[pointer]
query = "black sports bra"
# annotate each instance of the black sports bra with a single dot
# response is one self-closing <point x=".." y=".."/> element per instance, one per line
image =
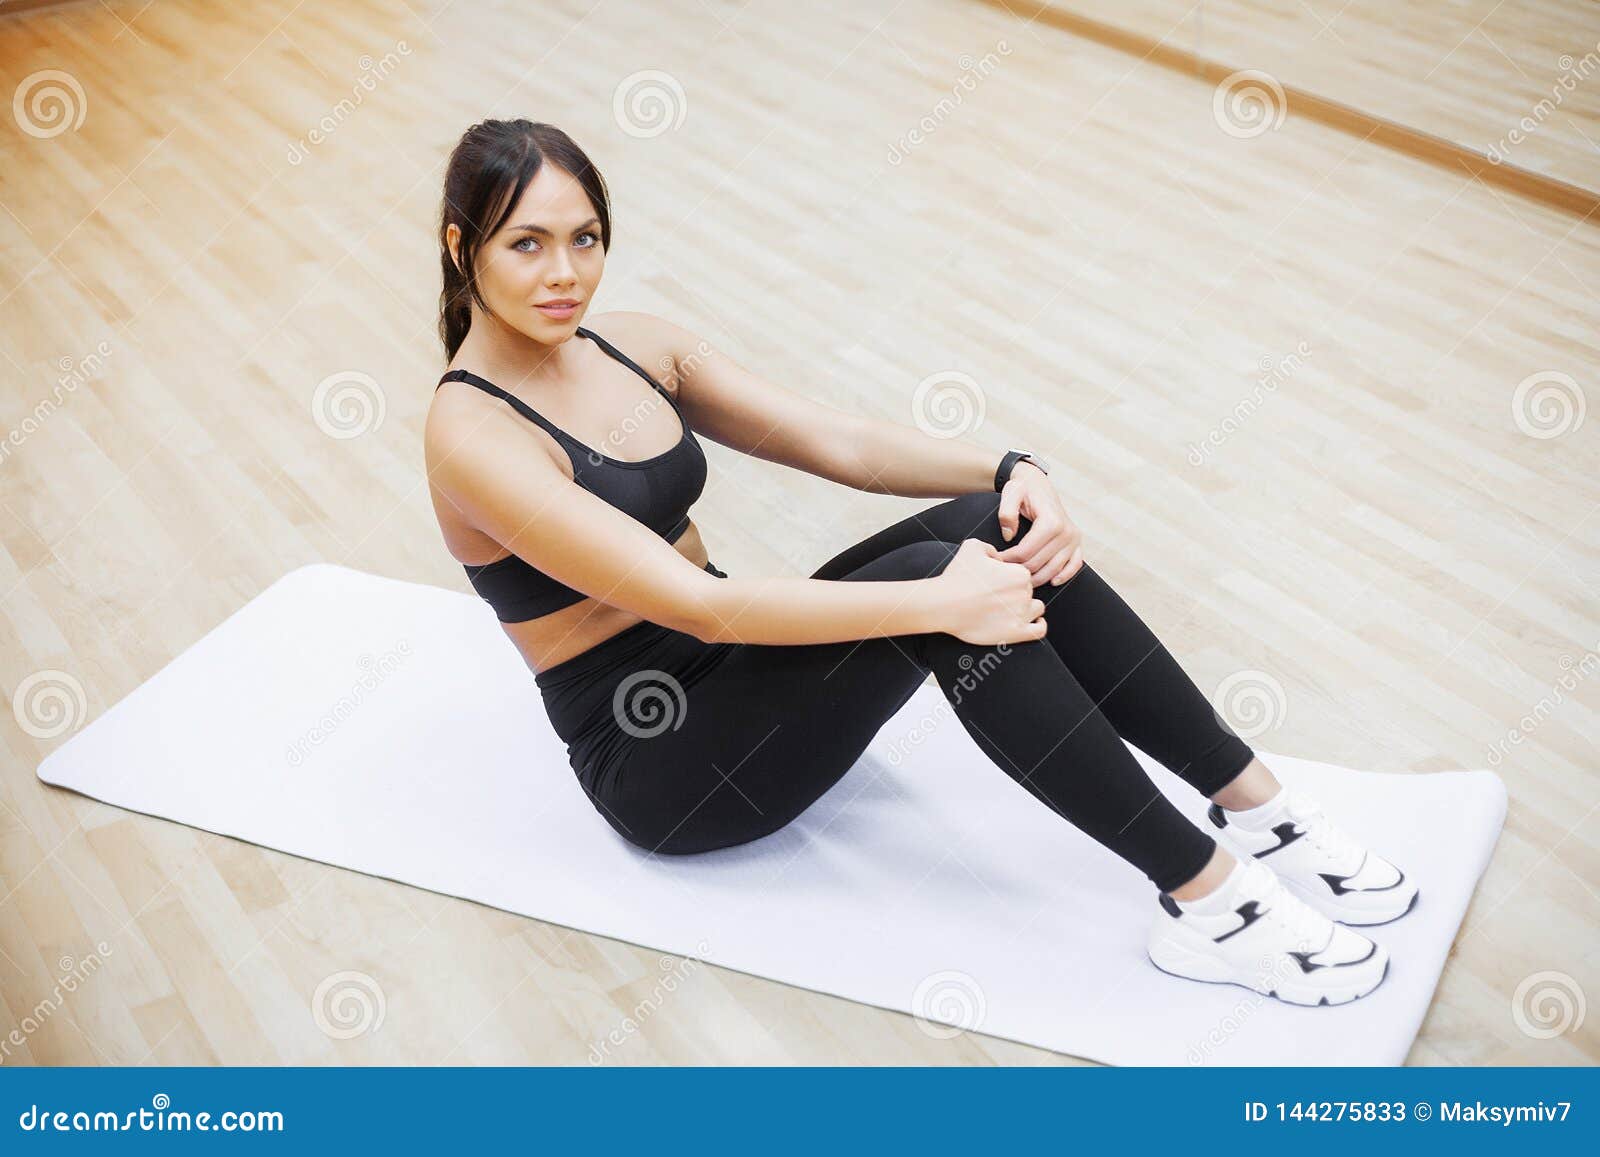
<point x="657" y="491"/>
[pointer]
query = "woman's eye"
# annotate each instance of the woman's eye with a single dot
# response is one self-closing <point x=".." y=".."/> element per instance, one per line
<point x="595" y="240"/>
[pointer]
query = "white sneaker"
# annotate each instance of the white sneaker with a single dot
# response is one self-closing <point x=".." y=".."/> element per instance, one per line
<point x="1316" y="859"/>
<point x="1256" y="933"/>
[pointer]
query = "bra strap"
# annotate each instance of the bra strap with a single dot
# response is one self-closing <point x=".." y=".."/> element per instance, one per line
<point x="515" y="402"/>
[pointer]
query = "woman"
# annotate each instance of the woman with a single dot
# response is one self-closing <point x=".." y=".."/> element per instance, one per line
<point x="702" y="710"/>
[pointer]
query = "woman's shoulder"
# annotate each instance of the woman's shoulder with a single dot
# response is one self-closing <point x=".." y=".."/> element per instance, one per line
<point x="630" y="329"/>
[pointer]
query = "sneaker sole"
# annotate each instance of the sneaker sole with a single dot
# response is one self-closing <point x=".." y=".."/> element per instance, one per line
<point x="1175" y="959"/>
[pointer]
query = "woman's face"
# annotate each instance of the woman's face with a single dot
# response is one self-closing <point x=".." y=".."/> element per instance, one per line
<point x="548" y="252"/>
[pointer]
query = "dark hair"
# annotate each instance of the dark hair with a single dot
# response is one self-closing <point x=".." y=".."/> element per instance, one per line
<point x="491" y="165"/>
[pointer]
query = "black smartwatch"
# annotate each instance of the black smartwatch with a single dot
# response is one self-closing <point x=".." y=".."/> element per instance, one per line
<point x="1002" y="473"/>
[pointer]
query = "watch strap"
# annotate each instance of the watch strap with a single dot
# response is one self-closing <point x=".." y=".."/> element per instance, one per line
<point x="1002" y="473"/>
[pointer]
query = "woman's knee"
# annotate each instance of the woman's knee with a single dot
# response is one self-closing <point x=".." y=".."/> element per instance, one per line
<point x="977" y="515"/>
<point x="914" y="560"/>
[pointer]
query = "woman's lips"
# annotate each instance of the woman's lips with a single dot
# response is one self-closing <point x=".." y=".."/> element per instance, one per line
<point x="558" y="310"/>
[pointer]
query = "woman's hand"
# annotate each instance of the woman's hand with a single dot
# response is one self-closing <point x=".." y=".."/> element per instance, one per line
<point x="986" y="601"/>
<point x="1052" y="550"/>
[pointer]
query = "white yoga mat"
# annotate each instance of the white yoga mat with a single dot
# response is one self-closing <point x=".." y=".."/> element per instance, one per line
<point x="389" y="727"/>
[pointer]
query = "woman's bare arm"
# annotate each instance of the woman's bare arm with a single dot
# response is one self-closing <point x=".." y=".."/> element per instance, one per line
<point x="505" y="486"/>
<point x="744" y="411"/>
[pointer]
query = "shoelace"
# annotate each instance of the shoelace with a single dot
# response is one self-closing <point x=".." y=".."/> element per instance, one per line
<point x="1308" y="927"/>
<point x="1328" y="835"/>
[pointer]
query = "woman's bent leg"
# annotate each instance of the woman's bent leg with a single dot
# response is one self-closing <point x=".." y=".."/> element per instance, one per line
<point x="769" y="729"/>
<point x="1129" y="675"/>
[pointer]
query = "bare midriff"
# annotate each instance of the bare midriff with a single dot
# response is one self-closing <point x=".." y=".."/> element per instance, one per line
<point x="561" y="635"/>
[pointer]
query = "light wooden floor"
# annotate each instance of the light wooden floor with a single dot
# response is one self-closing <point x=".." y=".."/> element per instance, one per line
<point x="1414" y="564"/>
<point x="1468" y="71"/>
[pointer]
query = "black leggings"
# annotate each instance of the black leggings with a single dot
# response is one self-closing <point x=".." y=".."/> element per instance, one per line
<point x="687" y="746"/>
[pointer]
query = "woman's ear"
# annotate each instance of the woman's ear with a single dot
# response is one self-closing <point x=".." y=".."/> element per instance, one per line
<point x="452" y="236"/>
